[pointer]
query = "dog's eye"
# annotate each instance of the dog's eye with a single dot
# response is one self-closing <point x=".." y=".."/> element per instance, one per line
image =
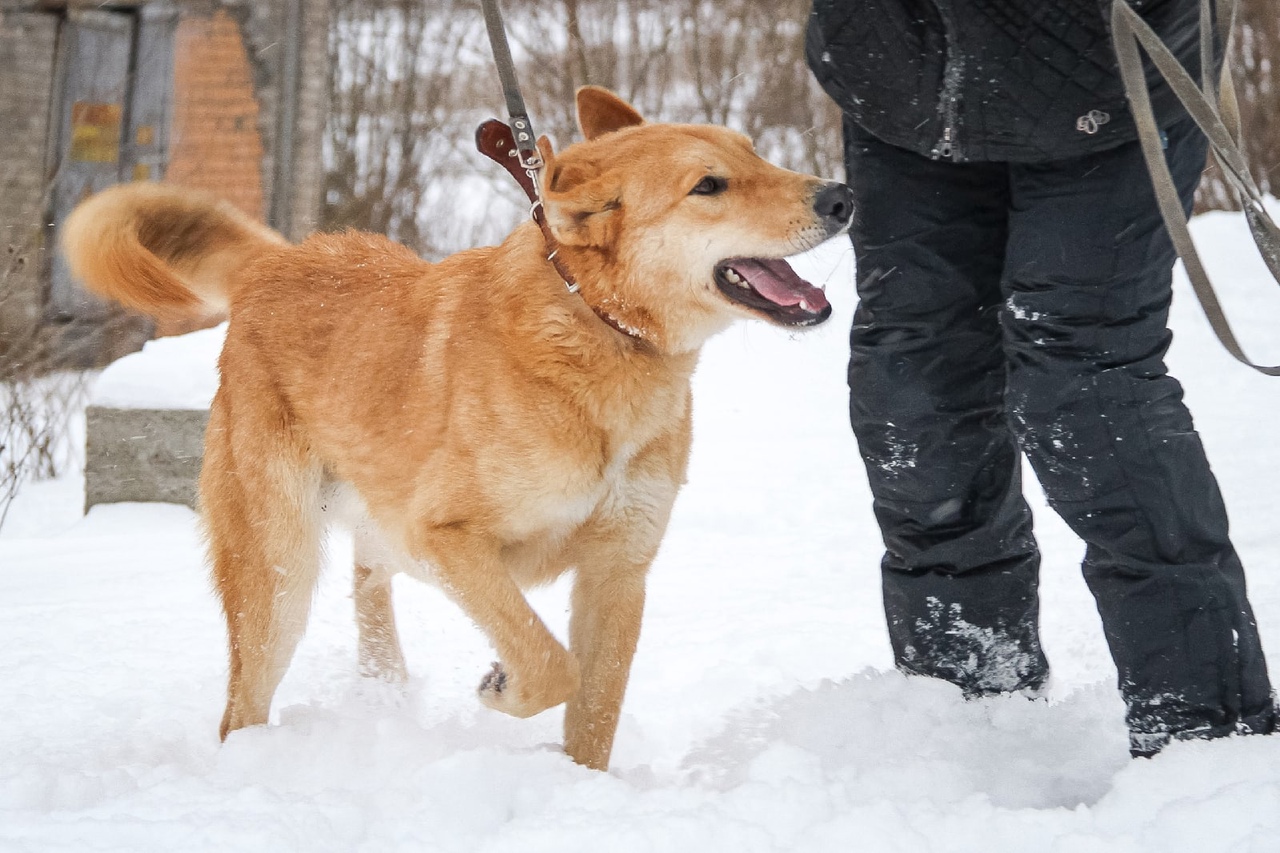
<point x="710" y="185"/>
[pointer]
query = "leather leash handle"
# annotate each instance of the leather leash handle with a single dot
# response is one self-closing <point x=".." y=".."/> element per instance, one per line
<point x="514" y="147"/>
<point x="494" y="139"/>
<point x="521" y="127"/>
<point x="1128" y="32"/>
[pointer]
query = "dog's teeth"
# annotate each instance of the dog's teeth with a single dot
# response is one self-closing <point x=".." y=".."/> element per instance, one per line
<point x="804" y="305"/>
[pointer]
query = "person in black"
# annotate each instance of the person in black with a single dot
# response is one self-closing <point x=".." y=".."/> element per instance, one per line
<point x="1014" y="278"/>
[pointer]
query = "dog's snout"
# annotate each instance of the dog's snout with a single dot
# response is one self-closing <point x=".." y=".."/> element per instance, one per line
<point x="834" y="204"/>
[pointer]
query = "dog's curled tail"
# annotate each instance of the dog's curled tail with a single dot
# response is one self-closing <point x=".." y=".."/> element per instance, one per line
<point x="163" y="250"/>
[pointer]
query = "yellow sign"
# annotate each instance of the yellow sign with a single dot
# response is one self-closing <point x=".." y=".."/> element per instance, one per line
<point x="95" y="132"/>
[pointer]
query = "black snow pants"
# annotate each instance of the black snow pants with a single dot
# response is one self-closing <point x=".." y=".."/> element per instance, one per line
<point x="1008" y="306"/>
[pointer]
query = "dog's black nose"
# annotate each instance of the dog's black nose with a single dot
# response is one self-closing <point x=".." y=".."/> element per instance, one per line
<point x="834" y="203"/>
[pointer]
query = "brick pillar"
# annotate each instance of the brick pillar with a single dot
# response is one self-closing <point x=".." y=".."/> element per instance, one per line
<point x="215" y="143"/>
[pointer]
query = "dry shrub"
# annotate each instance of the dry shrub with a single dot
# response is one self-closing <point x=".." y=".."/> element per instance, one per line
<point x="410" y="81"/>
<point x="46" y="367"/>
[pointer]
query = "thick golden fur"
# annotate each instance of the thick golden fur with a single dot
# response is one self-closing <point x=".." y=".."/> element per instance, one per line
<point x="477" y="424"/>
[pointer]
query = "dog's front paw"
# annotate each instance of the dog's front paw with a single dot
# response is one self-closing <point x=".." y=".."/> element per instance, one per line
<point x="493" y="683"/>
<point x="524" y="697"/>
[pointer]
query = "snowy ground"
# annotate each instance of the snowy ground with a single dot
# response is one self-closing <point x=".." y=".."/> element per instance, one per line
<point x="763" y="712"/>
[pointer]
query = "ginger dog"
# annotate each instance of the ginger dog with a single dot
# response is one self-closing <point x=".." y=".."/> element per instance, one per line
<point x="476" y="423"/>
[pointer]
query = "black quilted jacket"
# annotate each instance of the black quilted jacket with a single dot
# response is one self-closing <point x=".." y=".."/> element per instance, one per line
<point x="996" y="80"/>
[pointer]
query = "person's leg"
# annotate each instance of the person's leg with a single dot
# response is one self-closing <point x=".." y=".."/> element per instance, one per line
<point x="1088" y="290"/>
<point x="926" y="377"/>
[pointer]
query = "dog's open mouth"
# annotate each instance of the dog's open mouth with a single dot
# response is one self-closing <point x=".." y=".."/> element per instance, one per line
<point x="771" y="287"/>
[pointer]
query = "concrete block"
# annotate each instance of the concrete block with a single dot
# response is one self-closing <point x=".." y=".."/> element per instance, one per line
<point x="146" y="419"/>
<point x="143" y="455"/>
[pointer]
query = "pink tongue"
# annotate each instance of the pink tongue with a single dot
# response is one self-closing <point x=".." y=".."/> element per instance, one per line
<point x="775" y="280"/>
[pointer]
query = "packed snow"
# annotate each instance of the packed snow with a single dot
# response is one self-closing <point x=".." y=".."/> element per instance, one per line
<point x="763" y="712"/>
<point x="167" y="373"/>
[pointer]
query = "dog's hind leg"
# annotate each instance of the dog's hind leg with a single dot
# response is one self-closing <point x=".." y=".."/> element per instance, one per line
<point x="379" y="644"/>
<point x="260" y="493"/>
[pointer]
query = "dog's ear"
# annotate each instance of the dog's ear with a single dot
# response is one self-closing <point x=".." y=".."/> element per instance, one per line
<point x="586" y="215"/>
<point x="600" y="112"/>
<point x="546" y="152"/>
<point x="580" y="203"/>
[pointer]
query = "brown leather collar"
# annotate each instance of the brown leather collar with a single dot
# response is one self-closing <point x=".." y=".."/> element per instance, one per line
<point x="495" y="141"/>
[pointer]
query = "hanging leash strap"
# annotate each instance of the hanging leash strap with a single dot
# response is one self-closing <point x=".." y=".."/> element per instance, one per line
<point x="521" y="128"/>
<point x="1219" y="119"/>
<point x="514" y="146"/>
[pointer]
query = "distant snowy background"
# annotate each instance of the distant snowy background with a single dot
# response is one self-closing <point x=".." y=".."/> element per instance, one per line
<point x="763" y="712"/>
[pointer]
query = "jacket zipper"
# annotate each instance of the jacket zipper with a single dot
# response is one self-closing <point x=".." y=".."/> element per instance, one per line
<point x="948" y="146"/>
